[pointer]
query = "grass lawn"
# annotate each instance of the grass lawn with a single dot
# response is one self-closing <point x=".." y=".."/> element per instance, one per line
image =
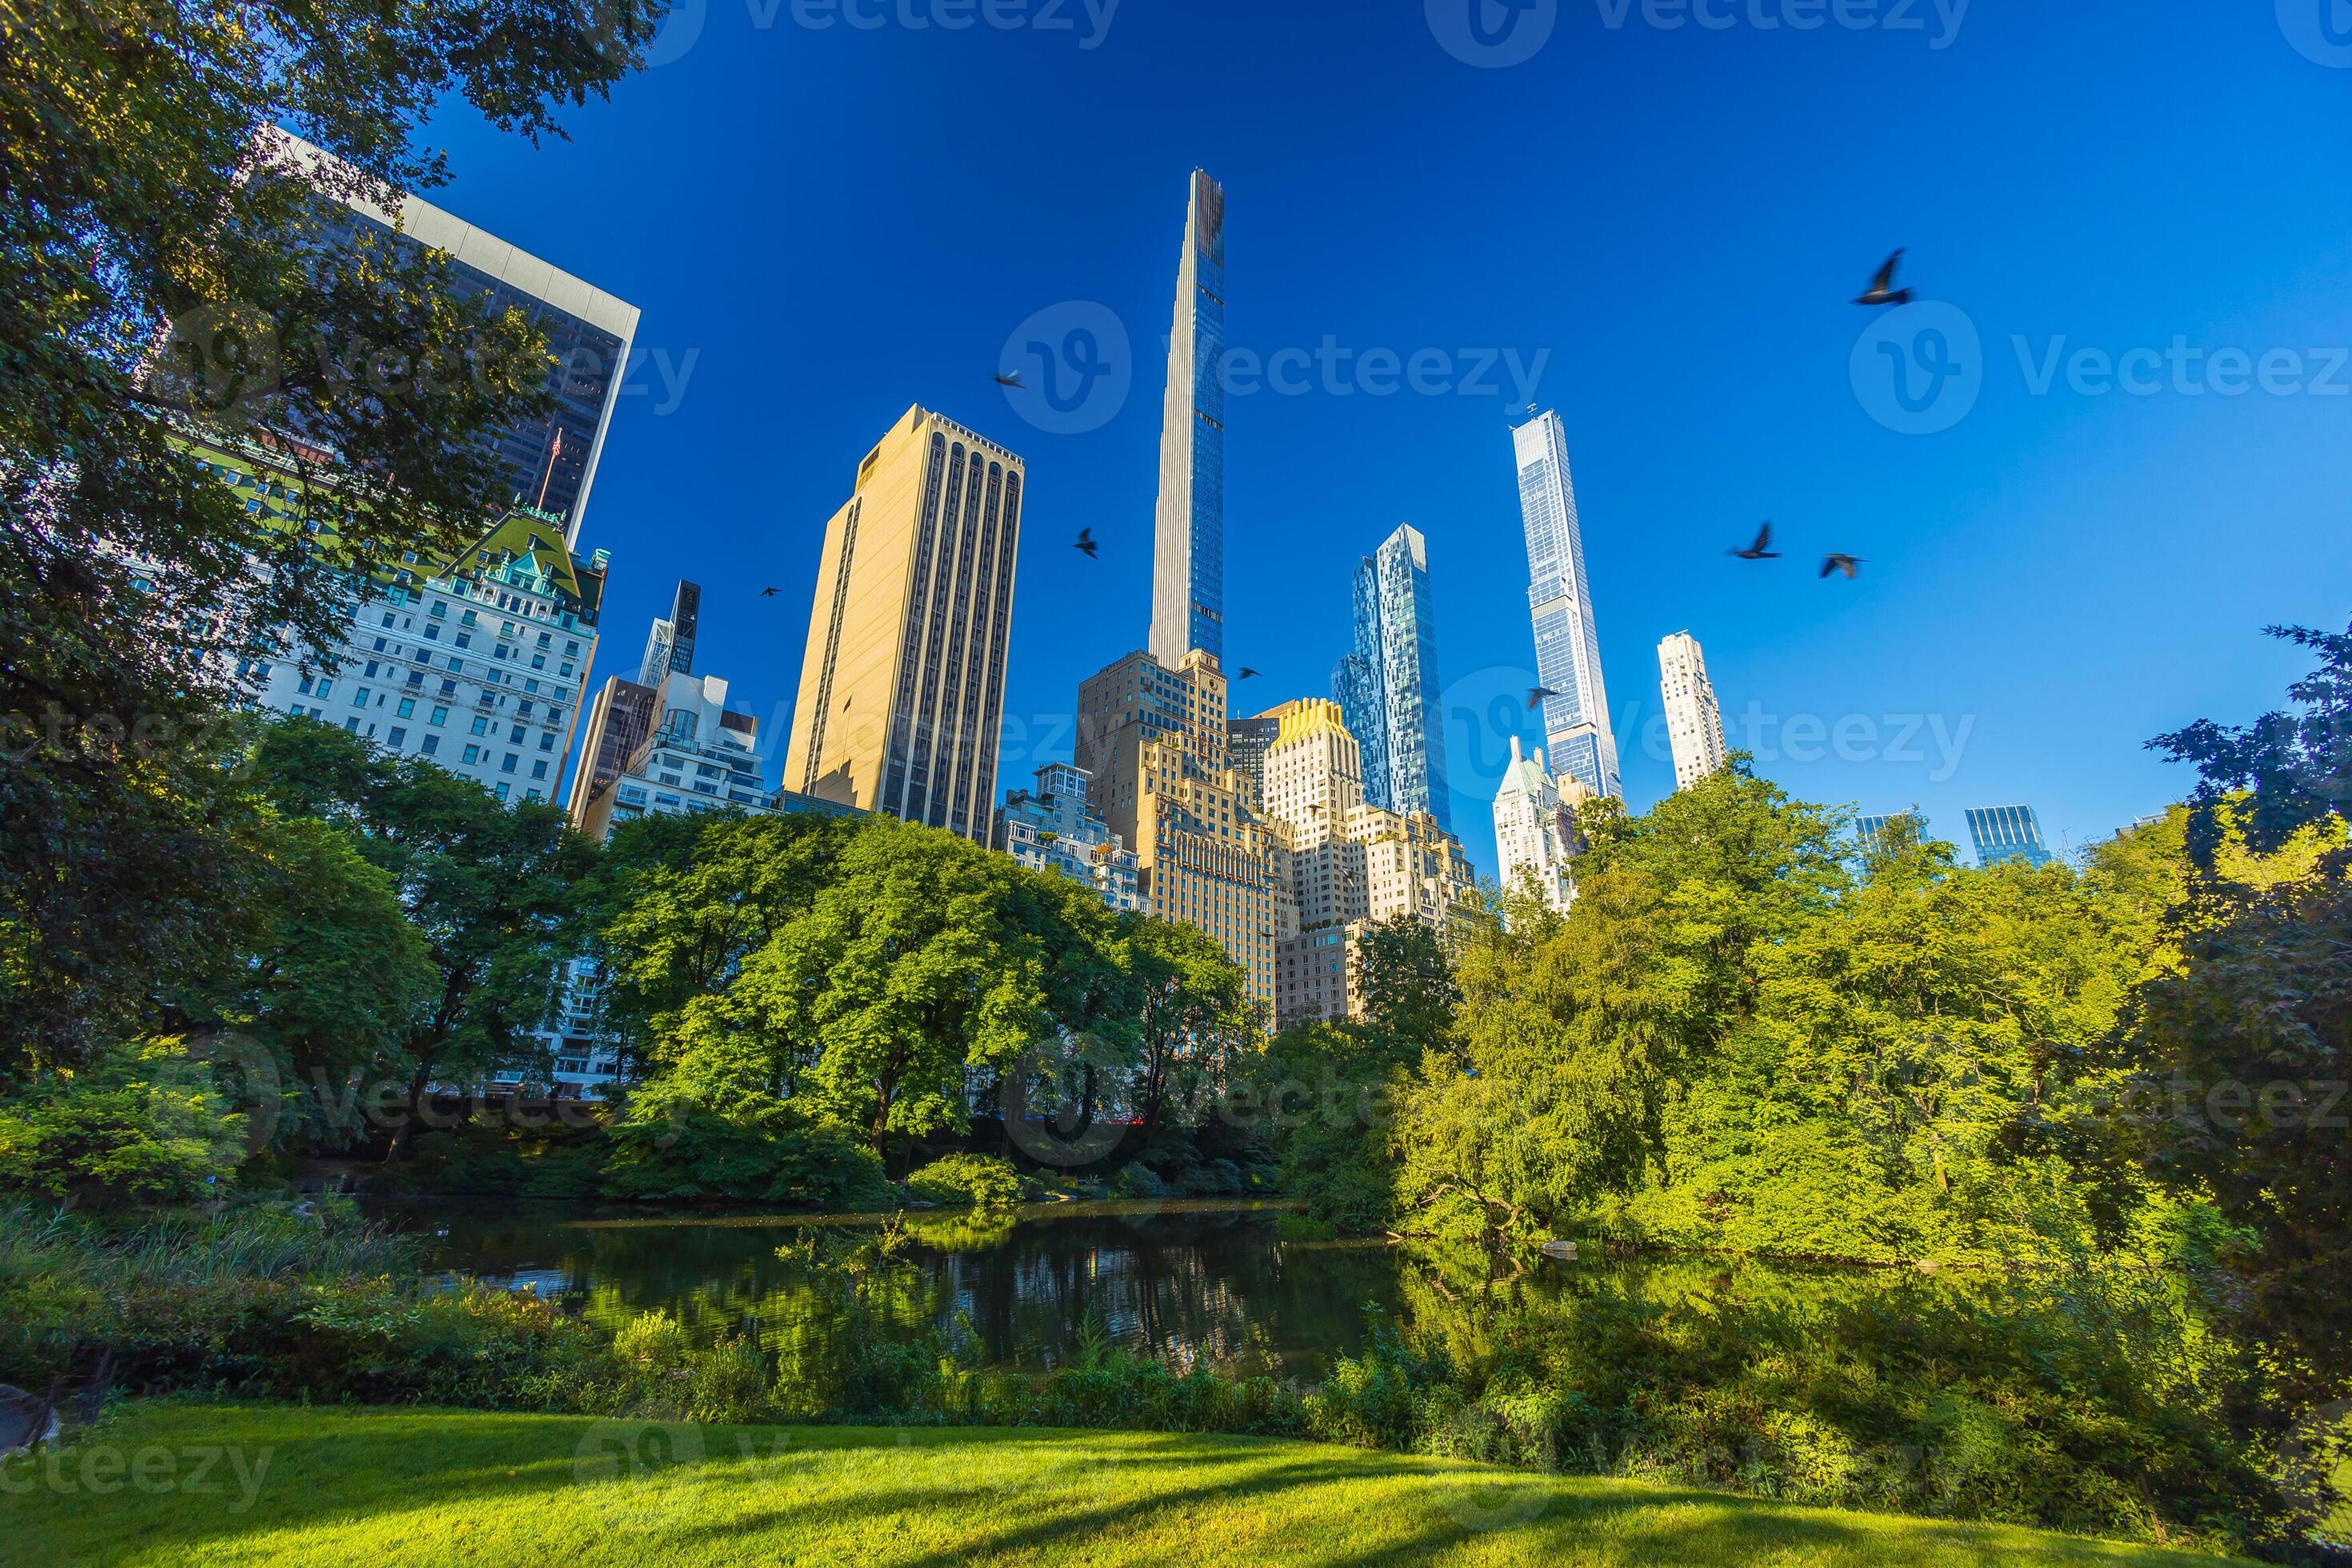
<point x="216" y="1485"/>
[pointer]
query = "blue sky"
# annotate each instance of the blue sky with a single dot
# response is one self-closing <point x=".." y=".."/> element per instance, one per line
<point x="824" y="224"/>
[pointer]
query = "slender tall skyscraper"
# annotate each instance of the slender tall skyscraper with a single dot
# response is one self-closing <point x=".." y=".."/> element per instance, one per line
<point x="1694" y="719"/>
<point x="1387" y="687"/>
<point x="1188" y="567"/>
<point x="1568" y="649"/>
<point x="2007" y="833"/>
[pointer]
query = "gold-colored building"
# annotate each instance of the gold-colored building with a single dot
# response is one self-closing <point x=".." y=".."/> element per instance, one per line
<point x="1154" y="741"/>
<point x="902" y="686"/>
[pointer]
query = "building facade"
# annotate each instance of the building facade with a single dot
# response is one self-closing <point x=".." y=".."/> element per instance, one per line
<point x="1536" y="835"/>
<point x="699" y="756"/>
<point x="1693" y="718"/>
<point x="1187" y="563"/>
<point x="2007" y="833"/>
<point x="1154" y="744"/>
<point x="902" y="684"/>
<point x="1248" y="740"/>
<point x="1387" y="687"/>
<point x="553" y="461"/>
<point x="1577" y="729"/>
<point x="1054" y="829"/>
<point x="478" y="664"/>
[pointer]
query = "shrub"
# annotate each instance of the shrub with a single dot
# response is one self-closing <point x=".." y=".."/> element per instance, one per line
<point x="978" y="1179"/>
<point x="142" y="1124"/>
<point x="670" y="1146"/>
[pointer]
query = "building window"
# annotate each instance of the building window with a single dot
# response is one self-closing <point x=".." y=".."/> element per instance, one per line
<point x="431" y="744"/>
<point x="407" y="708"/>
<point x="510" y="763"/>
<point x="547" y="743"/>
<point x="481" y="725"/>
<point x="539" y="770"/>
<point x="472" y="754"/>
<point x="514" y="737"/>
<point x="398" y="739"/>
<point x="465" y="639"/>
<point x="502" y="791"/>
<point x="440" y="716"/>
<point x="360" y="698"/>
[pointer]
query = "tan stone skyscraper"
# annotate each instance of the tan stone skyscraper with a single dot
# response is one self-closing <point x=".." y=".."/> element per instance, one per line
<point x="902" y="688"/>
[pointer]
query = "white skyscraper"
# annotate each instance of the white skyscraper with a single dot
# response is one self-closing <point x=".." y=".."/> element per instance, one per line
<point x="1568" y="648"/>
<point x="1694" y="719"/>
<point x="1535" y="827"/>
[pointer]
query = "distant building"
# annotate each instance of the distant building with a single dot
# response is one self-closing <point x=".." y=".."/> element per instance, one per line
<point x="697" y="757"/>
<point x="1694" y="719"/>
<point x="1188" y="558"/>
<point x="1320" y="975"/>
<point x="1577" y="729"/>
<point x="1535" y="827"/>
<point x="669" y="650"/>
<point x="1155" y="743"/>
<point x="1248" y="740"/>
<point x="2007" y="833"/>
<point x="1388" y="687"/>
<point x="1056" y="829"/>
<point x="1870" y="832"/>
<point x="902" y="685"/>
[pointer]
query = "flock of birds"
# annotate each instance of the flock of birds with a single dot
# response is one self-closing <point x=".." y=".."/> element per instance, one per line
<point x="1881" y="292"/>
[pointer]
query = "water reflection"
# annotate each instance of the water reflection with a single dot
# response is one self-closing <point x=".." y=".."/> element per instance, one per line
<point x="1202" y="1283"/>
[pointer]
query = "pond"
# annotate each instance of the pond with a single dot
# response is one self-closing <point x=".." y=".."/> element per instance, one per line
<point x="1202" y="1282"/>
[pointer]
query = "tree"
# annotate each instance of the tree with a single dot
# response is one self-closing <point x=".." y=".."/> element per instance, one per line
<point x="1408" y="990"/>
<point x="488" y="886"/>
<point x="142" y="203"/>
<point x="1194" y="1013"/>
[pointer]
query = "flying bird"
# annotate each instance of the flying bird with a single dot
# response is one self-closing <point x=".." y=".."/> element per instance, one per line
<point x="1086" y="543"/>
<point x="1882" y="288"/>
<point x="1849" y="564"/>
<point x="1248" y="673"/>
<point x="769" y="593"/>
<point x="1536" y="694"/>
<point x="1761" y="550"/>
<point x="1011" y="378"/>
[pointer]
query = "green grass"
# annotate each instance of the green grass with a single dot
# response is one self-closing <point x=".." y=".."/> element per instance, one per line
<point x="337" y="1486"/>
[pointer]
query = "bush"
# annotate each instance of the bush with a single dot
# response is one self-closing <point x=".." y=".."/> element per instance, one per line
<point x="979" y="1180"/>
<point x="1139" y="1181"/>
<point x="140" y="1125"/>
<point x="669" y="1146"/>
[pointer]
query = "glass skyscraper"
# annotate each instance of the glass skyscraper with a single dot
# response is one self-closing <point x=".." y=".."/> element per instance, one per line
<point x="552" y="462"/>
<point x="1188" y="568"/>
<point x="1388" y="690"/>
<point x="2007" y="833"/>
<point x="1577" y="733"/>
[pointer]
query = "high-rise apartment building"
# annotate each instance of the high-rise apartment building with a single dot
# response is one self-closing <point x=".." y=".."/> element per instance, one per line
<point x="1153" y="742"/>
<point x="1315" y="790"/>
<point x="1057" y="830"/>
<point x="1536" y="833"/>
<point x="1248" y="740"/>
<point x="552" y="461"/>
<point x="1568" y="648"/>
<point x="1694" y="719"/>
<point x="902" y="685"/>
<point x="478" y="664"/>
<point x="694" y="755"/>
<point x="2007" y="833"/>
<point x="1388" y="686"/>
<point x="1188" y="570"/>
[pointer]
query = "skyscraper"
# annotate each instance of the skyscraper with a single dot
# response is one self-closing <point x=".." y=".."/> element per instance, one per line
<point x="1568" y="647"/>
<point x="1188" y="568"/>
<point x="902" y="685"/>
<point x="1535" y="828"/>
<point x="552" y="462"/>
<point x="2007" y="833"/>
<point x="1154" y="744"/>
<point x="669" y="650"/>
<point x="1388" y="687"/>
<point x="1694" y="719"/>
